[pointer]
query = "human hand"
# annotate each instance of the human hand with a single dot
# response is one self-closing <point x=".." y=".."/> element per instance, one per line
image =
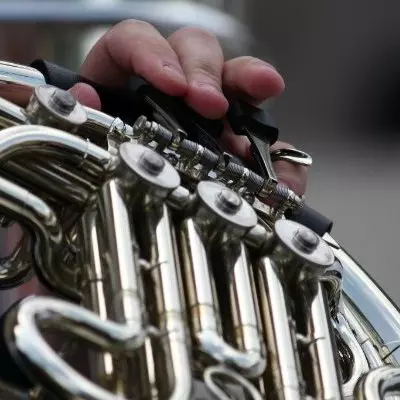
<point x="190" y="64"/>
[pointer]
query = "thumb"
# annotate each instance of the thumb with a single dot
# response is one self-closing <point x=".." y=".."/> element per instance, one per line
<point x="20" y="95"/>
<point x="86" y="95"/>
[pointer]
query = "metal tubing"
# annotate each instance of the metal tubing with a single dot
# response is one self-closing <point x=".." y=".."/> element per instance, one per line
<point x="173" y="374"/>
<point x="27" y="138"/>
<point x="283" y="368"/>
<point x="202" y="302"/>
<point x="322" y="349"/>
<point x="34" y="214"/>
<point x="23" y="324"/>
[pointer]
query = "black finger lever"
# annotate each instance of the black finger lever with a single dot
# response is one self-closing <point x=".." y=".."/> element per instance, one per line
<point x="262" y="132"/>
<point x="260" y="129"/>
<point x="141" y="98"/>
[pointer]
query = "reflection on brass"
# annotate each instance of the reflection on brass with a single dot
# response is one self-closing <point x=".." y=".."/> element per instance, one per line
<point x="173" y="281"/>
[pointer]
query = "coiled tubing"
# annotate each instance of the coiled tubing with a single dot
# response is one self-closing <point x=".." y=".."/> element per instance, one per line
<point x="175" y="271"/>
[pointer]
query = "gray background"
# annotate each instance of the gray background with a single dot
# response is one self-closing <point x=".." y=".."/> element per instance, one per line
<point x="332" y="54"/>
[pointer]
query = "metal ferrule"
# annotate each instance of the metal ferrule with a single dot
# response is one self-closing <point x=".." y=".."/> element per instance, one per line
<point x="100" y="126"/>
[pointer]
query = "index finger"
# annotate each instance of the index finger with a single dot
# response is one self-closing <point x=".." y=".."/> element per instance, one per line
<point x="135" y="47"/>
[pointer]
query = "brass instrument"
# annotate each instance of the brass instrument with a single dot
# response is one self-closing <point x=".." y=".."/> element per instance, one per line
<point x="176" y="272"/>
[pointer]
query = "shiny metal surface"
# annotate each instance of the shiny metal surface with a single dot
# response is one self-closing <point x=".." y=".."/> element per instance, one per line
<point x="378" y="383"/>
<point x="371" y="304"/>
<point x="283" y="362"/>
<point x="359" y="361"/>
<point x="308" y="259"/>
<point x="172" y="376"/>
<point x="24" y="329"/>
<point x="34" y="214"/>
<point x="206" y="322"/>
<point x="19" y="140"/>
<point x="177" y="284"/>
<point x="12" y="73"/>
<point x="10" y="114"/>
<point x="119" y="274"/>
<point x="56" y="108"/>
<point x="294" y="156"/>
<point x="322" y="348"/>
<point x="221" y="372"/>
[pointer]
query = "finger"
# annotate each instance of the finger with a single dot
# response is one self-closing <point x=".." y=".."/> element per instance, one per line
<point x="236" y="144"/>
<point x="20" y="96"/>
<point x="251" y="79"/>
<point x="86" y="95"/>
<point x="135" y="47"/>
<point x="202" y="59"/>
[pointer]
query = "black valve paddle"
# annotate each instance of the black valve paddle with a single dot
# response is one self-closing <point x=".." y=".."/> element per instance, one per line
<point x="141" y="98"/>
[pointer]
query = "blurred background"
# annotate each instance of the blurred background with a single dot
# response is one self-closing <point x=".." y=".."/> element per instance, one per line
<point x="341" y="63"/>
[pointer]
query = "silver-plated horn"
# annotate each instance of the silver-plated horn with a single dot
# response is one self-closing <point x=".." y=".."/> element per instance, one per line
<point x="170" y="272"/>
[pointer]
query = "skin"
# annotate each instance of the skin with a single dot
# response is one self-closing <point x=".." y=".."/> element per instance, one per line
<point x="189" y="63"/>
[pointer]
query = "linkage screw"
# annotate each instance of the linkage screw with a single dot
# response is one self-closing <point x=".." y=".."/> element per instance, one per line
<point x="228" y="201"/>
<point x="306" y="240"/>
<point x="152" y="162"/>
<point x="62" y="101"/>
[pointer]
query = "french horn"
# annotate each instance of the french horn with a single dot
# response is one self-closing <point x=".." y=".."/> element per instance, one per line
<point x="174" y="271"/>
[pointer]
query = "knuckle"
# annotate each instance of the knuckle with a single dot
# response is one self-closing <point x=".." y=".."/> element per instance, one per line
<point x="130" y="27"/>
